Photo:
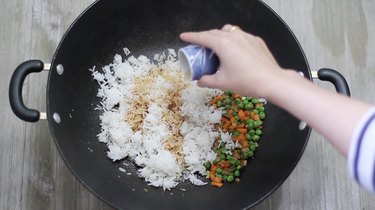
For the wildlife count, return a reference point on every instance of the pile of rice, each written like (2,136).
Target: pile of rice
(156,118)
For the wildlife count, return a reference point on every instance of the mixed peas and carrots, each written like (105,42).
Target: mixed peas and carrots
(242,117)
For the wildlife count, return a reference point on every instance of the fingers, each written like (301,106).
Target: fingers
(230,28)
(208,38)
(204,38)
(209,81)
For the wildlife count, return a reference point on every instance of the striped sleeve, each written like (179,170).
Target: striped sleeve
(361,158)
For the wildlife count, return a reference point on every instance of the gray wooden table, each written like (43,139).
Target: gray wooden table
(334,33)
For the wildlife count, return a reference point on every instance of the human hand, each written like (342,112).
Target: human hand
(246,64)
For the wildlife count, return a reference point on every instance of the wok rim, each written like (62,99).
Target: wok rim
(102,199)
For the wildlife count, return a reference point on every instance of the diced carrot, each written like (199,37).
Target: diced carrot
(241,115)
(237,95)
(245,144)
(214,100)
(242,130)
(216,179)
(224,164)
(227,124)
(233,120)
(213,168)
(217,184)
(254,116)
(241,137)
(241,125)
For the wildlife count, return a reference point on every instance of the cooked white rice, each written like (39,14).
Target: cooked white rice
(157,119)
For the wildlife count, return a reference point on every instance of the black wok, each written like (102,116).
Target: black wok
(148,27)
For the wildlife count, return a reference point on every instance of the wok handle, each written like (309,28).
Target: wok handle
(333,76)
(15,90)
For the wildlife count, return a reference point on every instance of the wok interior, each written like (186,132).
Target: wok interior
(147,27)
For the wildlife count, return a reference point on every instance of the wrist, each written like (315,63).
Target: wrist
(278,82)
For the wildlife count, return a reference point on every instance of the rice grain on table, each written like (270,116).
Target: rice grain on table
(154,117)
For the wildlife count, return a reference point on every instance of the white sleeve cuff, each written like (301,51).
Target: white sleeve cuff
(361,158)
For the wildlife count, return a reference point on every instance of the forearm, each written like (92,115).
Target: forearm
(333,115)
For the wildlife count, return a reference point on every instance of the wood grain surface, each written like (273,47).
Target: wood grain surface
(333,33)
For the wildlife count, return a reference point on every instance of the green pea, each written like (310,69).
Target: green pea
(233,162)
(251,132)
(219,103)
(245,101)
(237,100)
(244,150)
(234,113)
(249,106)
(262,115)
(248,137)
(256,137)
(228,92)
(239,167)
(229,157)
(240,105)
(261,109)
(225,177)
(219,170)
(249,121)
(222,157)
(258,132)
(255,111)
(207,165)
(223,149)
(254,101)
(230,178)
(218,151)
(258,123)
(238,162)
(219,175)
(236,117)
(253,147)
(236,133)
(228,101)
(249,154)
(237,173)
(250,125)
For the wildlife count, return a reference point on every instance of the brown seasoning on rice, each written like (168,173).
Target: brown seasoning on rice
(171,114)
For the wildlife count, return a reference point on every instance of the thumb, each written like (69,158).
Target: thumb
(209,81)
